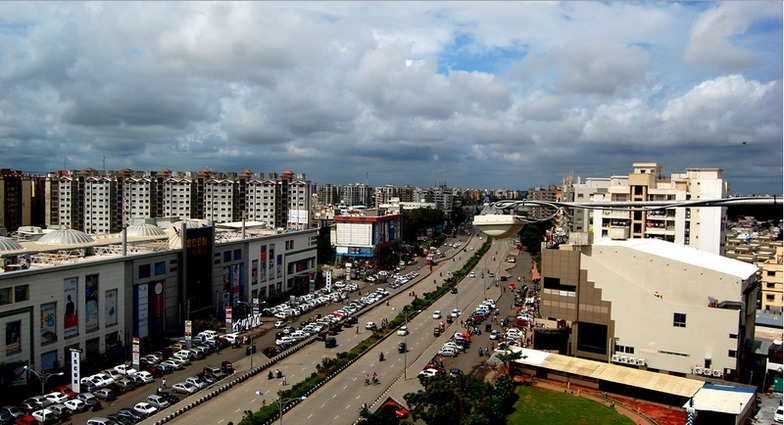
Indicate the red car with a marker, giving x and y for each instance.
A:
(512, 286)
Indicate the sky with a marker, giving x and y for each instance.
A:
(492, 95)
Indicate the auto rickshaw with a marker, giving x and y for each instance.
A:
(401, 348)
(449, 319)
(437, 331)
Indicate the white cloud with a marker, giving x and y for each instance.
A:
(470, 93)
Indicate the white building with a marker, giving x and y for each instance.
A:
(699, 228)
(668, 307)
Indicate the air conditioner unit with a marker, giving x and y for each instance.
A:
(624, 359)
(616, 358)
(631, 360)
(641, 362)
(707, 372)
(697, 370)
(716, 373)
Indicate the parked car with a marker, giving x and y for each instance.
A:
(90, 400)
(45, 416)
(120, 419)
(26, 420)
(13, 410)
(106, 394)
(146, 408)
(75, 405)
(6, 418)
(171, 398)
(144, 376)
(61, 411)
(56, 397)
(184, 388)
(158, 401)
(131, 414)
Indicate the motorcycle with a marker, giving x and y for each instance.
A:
(381, 357)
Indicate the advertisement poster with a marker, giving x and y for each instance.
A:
(48, 323)
(279, 269)
(158, 307)
(143, 313)
(263, 263)
(272, 261)
(235, 282)
(13, 337)
(111, 307)
(254, 273)
(226, 287)
(91, 302)
(71, 318)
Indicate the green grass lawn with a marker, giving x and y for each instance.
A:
(542, 406)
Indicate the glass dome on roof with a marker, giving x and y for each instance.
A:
(8, 244)
(66, 237)
(145, 229)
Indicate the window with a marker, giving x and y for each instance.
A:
(21, 293)
(732, 353)
(238, 254)
(733, 336)
(226, 256)
(144, 271)
(160, 268)
(771, 273)
(5, 296)
(679, 320)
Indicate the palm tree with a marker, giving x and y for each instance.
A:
(509, 356)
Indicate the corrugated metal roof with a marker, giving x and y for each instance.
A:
(668, 384)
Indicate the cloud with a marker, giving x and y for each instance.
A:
(713, 36)
(500, 94)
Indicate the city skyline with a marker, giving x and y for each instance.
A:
(493, 95)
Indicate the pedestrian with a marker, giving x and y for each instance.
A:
(480, 351)
(163, 383)
(284, 380)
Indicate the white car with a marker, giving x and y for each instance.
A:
(280, 324)
(184, 388)
(370, 325)
(174, 364)
(75, 405)
(455, 313)
(146, 408)
(56, 397)
(437, 314)
(144, 376)
(125, 370)
(428, 373)
(472, 274)
(402, 331)
(779, 415)
(232, 337)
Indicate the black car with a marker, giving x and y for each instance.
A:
(122, 420)
(453, 290)
(171, 398)
(131, 414)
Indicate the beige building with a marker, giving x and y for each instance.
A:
(652, 304)
(773, 283)
(699, 228)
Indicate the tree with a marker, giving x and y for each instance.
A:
(532, 236)
(508, 357)
(420, 219)
(461, 400)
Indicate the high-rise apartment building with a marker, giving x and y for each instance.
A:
(773, 283)
(699, 228)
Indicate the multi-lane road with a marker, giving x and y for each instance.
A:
(340, 400)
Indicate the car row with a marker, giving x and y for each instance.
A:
(400, 280)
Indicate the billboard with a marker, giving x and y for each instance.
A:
(91, 302)
(13, 337)
(198, 246)
(48, 323)
(141, 301)
(263, 264)
(71, 317)
(271, 263)
(111, 307)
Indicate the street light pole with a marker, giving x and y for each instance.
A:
(282, 402)
(43, 377)
(250, 311)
